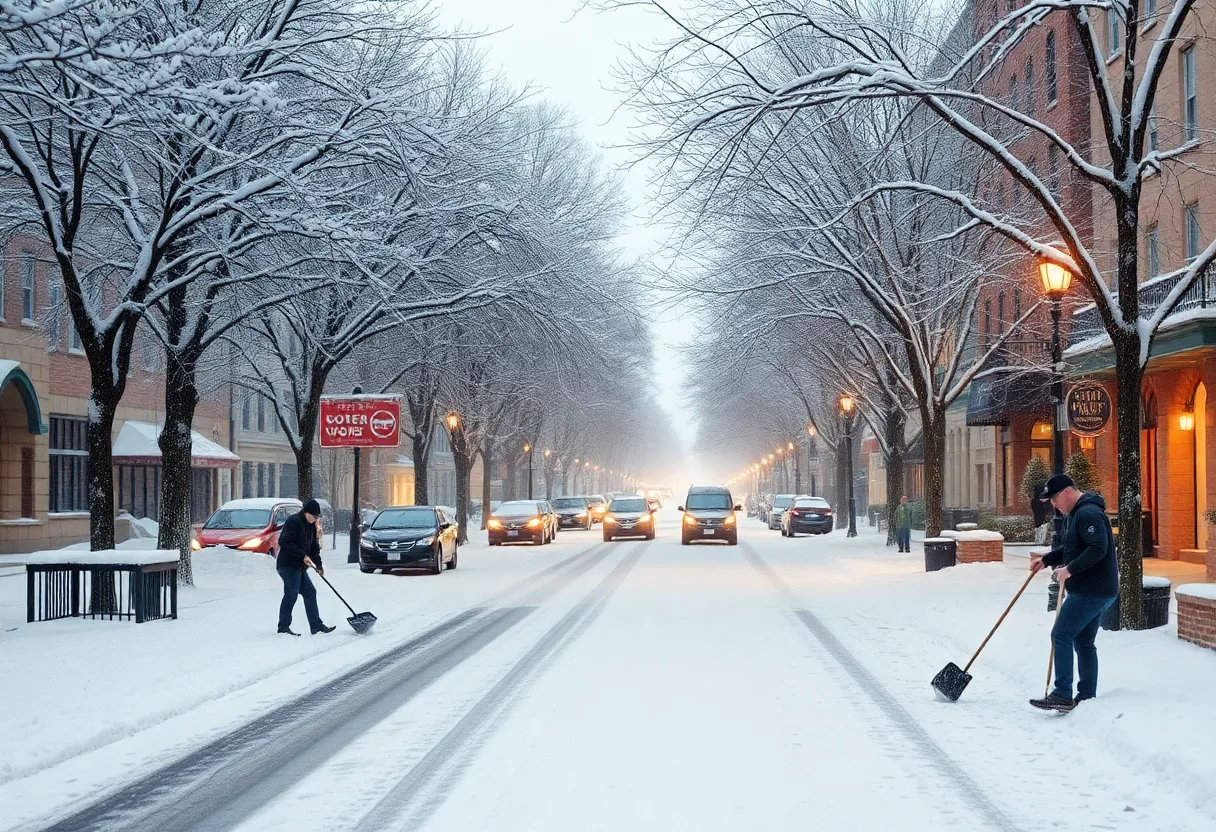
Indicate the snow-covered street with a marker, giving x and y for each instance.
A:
(780, 684)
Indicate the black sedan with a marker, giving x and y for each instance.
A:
(812, 515)
(408, 537)
(572, 512)
(520, 521)
(628, 517)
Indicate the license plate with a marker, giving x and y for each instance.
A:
(394, 556)
(512, 534)
(709, 531)
(814, 516)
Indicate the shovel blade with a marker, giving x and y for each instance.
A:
(950, 683)
(362, 622)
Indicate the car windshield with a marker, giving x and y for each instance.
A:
(570, 502)
(519, 507)
(405, 518)
(782, 502)
(595, 501)
(239, 518)
(708, 502)
(628, 504)
(812, 502)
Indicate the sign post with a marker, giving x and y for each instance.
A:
(358, 422)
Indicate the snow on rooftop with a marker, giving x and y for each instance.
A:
(140, 439)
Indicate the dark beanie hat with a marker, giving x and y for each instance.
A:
(312, 507)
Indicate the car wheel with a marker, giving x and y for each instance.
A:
(366, 570)
(607, 538)
(437, 561)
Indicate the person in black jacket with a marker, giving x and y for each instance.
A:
(1089, 575)
(300, 548)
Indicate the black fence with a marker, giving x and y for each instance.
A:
(1201, 294)
(112, 591)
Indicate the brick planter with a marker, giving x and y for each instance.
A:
(980, 547)
(1197, 614)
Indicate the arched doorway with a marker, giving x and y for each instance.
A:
(20, 423)
(1200, 404)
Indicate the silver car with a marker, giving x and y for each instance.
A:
(780, 503)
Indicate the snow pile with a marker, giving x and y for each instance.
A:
(1204, 591)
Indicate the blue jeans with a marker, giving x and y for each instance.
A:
(1075, 629)
(295, 583)
(903, 539)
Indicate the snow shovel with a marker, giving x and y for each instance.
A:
(1051, 655)
(360, 622)
(952, 680)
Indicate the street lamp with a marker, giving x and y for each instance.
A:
(528, 451)
(453, 420)
(1056, 280)
(846, 410)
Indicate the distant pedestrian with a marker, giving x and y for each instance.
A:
(1089, 575)
(903, 525)
(300, 548)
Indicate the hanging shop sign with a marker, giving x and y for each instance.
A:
(360, 422)
(1089, 408)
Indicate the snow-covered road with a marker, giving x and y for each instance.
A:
(781, 684)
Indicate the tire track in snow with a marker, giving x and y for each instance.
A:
(410, 803)
(882, 698)
(220, 784)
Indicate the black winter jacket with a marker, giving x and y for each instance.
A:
(1087, 548)
(298, 540)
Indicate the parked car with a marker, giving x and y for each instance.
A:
(519, 521)
(599, 507)
(812, 515)
(709, 514)
(251, 525)
(408, 537)
(573, 512)
(629, 517)
(780, 503)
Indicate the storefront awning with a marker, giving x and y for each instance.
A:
(998, 394)
(137, 445)
(11, 373)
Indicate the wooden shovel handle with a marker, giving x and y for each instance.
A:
(991, 632)
(1051, 655)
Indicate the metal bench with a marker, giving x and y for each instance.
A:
(124, 585)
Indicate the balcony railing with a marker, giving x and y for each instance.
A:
(1086, 323)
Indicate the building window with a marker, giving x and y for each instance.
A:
(246, 480)
(1017, 304)
(1011, 6)
(261, 414)
(246, 410)
(1152, 126)
(987, 320)
(1029, 85)
(27, 482)
(147, 354)
(1053, 170)
(289, 481)
(69, 458)
(271, 470)
(1113, 31)
(1050, 69)
(27, 287)
(1190, 105)
(1153, 251)
(74, 342)
(54, 315)
(139, 490)
(1192, 231)
(1000, 311)
(1013, 91)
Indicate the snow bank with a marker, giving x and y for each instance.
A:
(1204, 591)
(126, 557)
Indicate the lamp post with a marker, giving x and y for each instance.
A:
(528, 451)
(846, 410)
(1056, 280)
(811, 432)
(797, 468)
(548, 475)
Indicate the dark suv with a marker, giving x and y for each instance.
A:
(709, 514)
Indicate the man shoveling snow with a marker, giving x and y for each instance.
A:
(1089, 577)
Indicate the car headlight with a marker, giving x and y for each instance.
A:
(534, 523)
(729, 521)
(424, 541)
(195, 545)
(366, 544)
(608, 518)
(251, 543)
(494, 523)
(645, 518)
(689, 520)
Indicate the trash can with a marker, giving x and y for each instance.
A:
(1154, 601)
(940, 552)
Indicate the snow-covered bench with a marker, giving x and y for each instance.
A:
(139, 585)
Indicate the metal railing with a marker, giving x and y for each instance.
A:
(1201, 294)
(111, 591)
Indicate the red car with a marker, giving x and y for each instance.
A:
(249, 525)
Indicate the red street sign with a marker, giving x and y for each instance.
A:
(359, 422)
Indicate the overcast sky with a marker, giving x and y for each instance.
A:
(569, 54)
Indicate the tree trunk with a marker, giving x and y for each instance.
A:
(895, 442)
(1129, 378)
(181, 399)
(421, 456)
(842, 486)
(511, 483)
(934, 438)
(99, 433)
(464, 467)
(487, 464)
